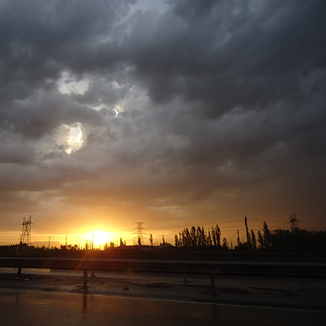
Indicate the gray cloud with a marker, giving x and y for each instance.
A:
(191, 104)
(226, 57)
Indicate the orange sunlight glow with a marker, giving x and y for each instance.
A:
(99, 238)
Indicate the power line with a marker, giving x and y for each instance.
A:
(187, 225)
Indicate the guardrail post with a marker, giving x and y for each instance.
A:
(19, 271)
(85, 278)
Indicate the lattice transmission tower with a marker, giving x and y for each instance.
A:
(294, 223)
(26, 231)
(140, 229)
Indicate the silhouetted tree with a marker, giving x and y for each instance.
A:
(209, 242)
(253, 240)
(193, 236)
(247, 234)
(176, 241)
(225, 245)
(216, 235)
(122, 244)
(199, 237)
(238, 239)
(265, 237)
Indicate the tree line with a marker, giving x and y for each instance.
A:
(291, 240)
(199, 237)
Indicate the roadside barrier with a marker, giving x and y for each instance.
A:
(209, 268)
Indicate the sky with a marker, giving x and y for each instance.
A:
(170, 113)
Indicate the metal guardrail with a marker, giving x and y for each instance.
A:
(211, 268)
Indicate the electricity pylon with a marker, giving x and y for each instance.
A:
(26, 231)
(140, 229)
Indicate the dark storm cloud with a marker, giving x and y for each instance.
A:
(217, 99)
(42, 112)
(15, 150)
(38, 42)
(228, 58)
(228, 54)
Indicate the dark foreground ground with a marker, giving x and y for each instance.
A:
(35, 308)
(303, 293)
(58, 298)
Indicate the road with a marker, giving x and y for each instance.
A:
(36, 308)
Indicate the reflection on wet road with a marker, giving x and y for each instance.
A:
(37, 308)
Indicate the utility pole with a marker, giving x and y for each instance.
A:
(49, 242)
(247, 233)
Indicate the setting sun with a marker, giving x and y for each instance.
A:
(99, 237)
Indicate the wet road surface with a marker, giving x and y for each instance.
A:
(35, 308)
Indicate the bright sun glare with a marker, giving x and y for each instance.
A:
(100, 237)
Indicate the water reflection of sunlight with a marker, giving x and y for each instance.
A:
(13, 270)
